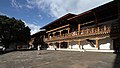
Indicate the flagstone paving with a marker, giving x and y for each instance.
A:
(58, 59)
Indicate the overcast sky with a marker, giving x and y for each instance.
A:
(37, 13)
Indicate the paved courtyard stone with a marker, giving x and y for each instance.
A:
(58, 59)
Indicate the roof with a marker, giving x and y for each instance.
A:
(65, 17)
(38, 34)
(96, 10)
(100, 12)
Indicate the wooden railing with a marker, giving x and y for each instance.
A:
(84, 32)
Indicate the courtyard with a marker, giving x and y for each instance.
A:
(58, 59)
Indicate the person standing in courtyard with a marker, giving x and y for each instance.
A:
(39, 46)
(55, 47)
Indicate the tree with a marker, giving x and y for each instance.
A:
(13, 31)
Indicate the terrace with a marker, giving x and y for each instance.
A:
(93, 31)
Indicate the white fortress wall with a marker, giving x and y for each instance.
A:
(106, 43)
(74, 45)
(86, 45)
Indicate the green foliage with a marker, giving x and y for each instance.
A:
(13, 31)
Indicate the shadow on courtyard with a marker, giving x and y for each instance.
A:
(17, 50)
(117, 61)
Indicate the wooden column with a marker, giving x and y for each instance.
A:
(98, 29)
(97, 43)
(78, 28)
(43, 36)
(68, 30)
(48, 36)
(87, 31)
(79, 43)
(53, 34)
(60, 32)
(59, 45)
(68, 43)
(105, 28)
(92, 30)
(48, 45)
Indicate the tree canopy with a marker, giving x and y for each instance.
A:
(13, 31)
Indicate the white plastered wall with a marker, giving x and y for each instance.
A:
(86, 45)
(74, 45)
(106, 43)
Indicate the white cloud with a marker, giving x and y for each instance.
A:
(15, 4)
(1, 13)
(40, 16)
(57, 8)
(29, 6)
(34, 28)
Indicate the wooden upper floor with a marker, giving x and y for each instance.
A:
(97, 21)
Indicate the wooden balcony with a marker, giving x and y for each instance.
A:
(94, 31)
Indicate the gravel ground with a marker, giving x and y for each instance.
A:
(58, 59)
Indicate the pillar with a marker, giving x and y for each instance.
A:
(105, 28)
(78, 28)
(68, 30)
(98, 29)
(68, 43)
(48, 45)
(48, 35)
(92, 30)
(53, 34)
(60, 33)
(97, 44)
(43, 36)
(59, 44)
(87, 31)
(79, 43)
